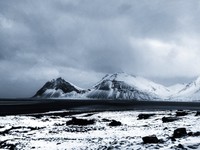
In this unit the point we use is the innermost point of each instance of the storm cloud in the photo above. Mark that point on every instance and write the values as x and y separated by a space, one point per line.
81 40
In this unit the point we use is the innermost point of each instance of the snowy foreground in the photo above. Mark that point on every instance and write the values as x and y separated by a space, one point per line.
53 132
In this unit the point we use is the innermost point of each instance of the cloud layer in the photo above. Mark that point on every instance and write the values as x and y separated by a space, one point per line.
84 39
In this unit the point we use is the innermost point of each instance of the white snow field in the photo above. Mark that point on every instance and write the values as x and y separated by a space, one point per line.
43 132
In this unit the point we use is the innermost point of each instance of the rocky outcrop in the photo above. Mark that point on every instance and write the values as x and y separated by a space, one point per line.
180 132
80 122
169 119
145 116
115 123
150 139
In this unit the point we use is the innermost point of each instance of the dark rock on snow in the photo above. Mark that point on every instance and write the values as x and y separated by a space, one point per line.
5 145
169 119
150 139
80 122
194 133
195 146
115 123
197 113
180 146
181 113
145 116
180 132
172 139
105 120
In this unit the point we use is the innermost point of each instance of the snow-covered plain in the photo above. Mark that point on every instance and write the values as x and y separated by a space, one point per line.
51 132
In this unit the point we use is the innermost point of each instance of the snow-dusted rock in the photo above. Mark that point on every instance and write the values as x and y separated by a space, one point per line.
57 89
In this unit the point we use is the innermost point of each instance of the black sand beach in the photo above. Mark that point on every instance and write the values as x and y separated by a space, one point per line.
29 106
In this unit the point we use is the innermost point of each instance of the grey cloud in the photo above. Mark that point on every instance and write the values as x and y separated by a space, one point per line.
40 40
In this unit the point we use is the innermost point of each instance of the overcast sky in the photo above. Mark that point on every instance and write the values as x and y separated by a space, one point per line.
82 40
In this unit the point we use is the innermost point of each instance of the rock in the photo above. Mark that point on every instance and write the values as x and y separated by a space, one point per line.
5 145
115 123
197 113
80 122
165 128
172 139
180 146
145 116
169 119
181 113
195 146
194 133
180 132
105 120
150 139
190 133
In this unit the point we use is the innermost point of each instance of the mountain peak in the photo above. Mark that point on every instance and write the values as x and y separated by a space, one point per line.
118 76
58 84
59 79
197 81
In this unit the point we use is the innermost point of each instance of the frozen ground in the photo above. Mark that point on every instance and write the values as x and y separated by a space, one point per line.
51 132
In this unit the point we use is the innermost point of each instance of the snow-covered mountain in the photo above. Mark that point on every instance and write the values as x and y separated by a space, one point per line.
176 88
189 92
57 89
122 86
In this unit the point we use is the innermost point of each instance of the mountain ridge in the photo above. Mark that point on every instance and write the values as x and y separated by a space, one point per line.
121 86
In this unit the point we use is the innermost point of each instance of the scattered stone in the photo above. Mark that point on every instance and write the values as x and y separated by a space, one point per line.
169 119
145 116
181 113
197 113
172 139
45 120
190 133
58 124
5 145
115 123
80 122
194 133
195 146
54 117
180 146
165 128
105 120
180 132
150 139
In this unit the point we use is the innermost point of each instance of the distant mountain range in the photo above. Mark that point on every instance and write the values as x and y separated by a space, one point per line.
121 86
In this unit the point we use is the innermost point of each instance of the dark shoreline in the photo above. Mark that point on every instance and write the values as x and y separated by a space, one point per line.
29 106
